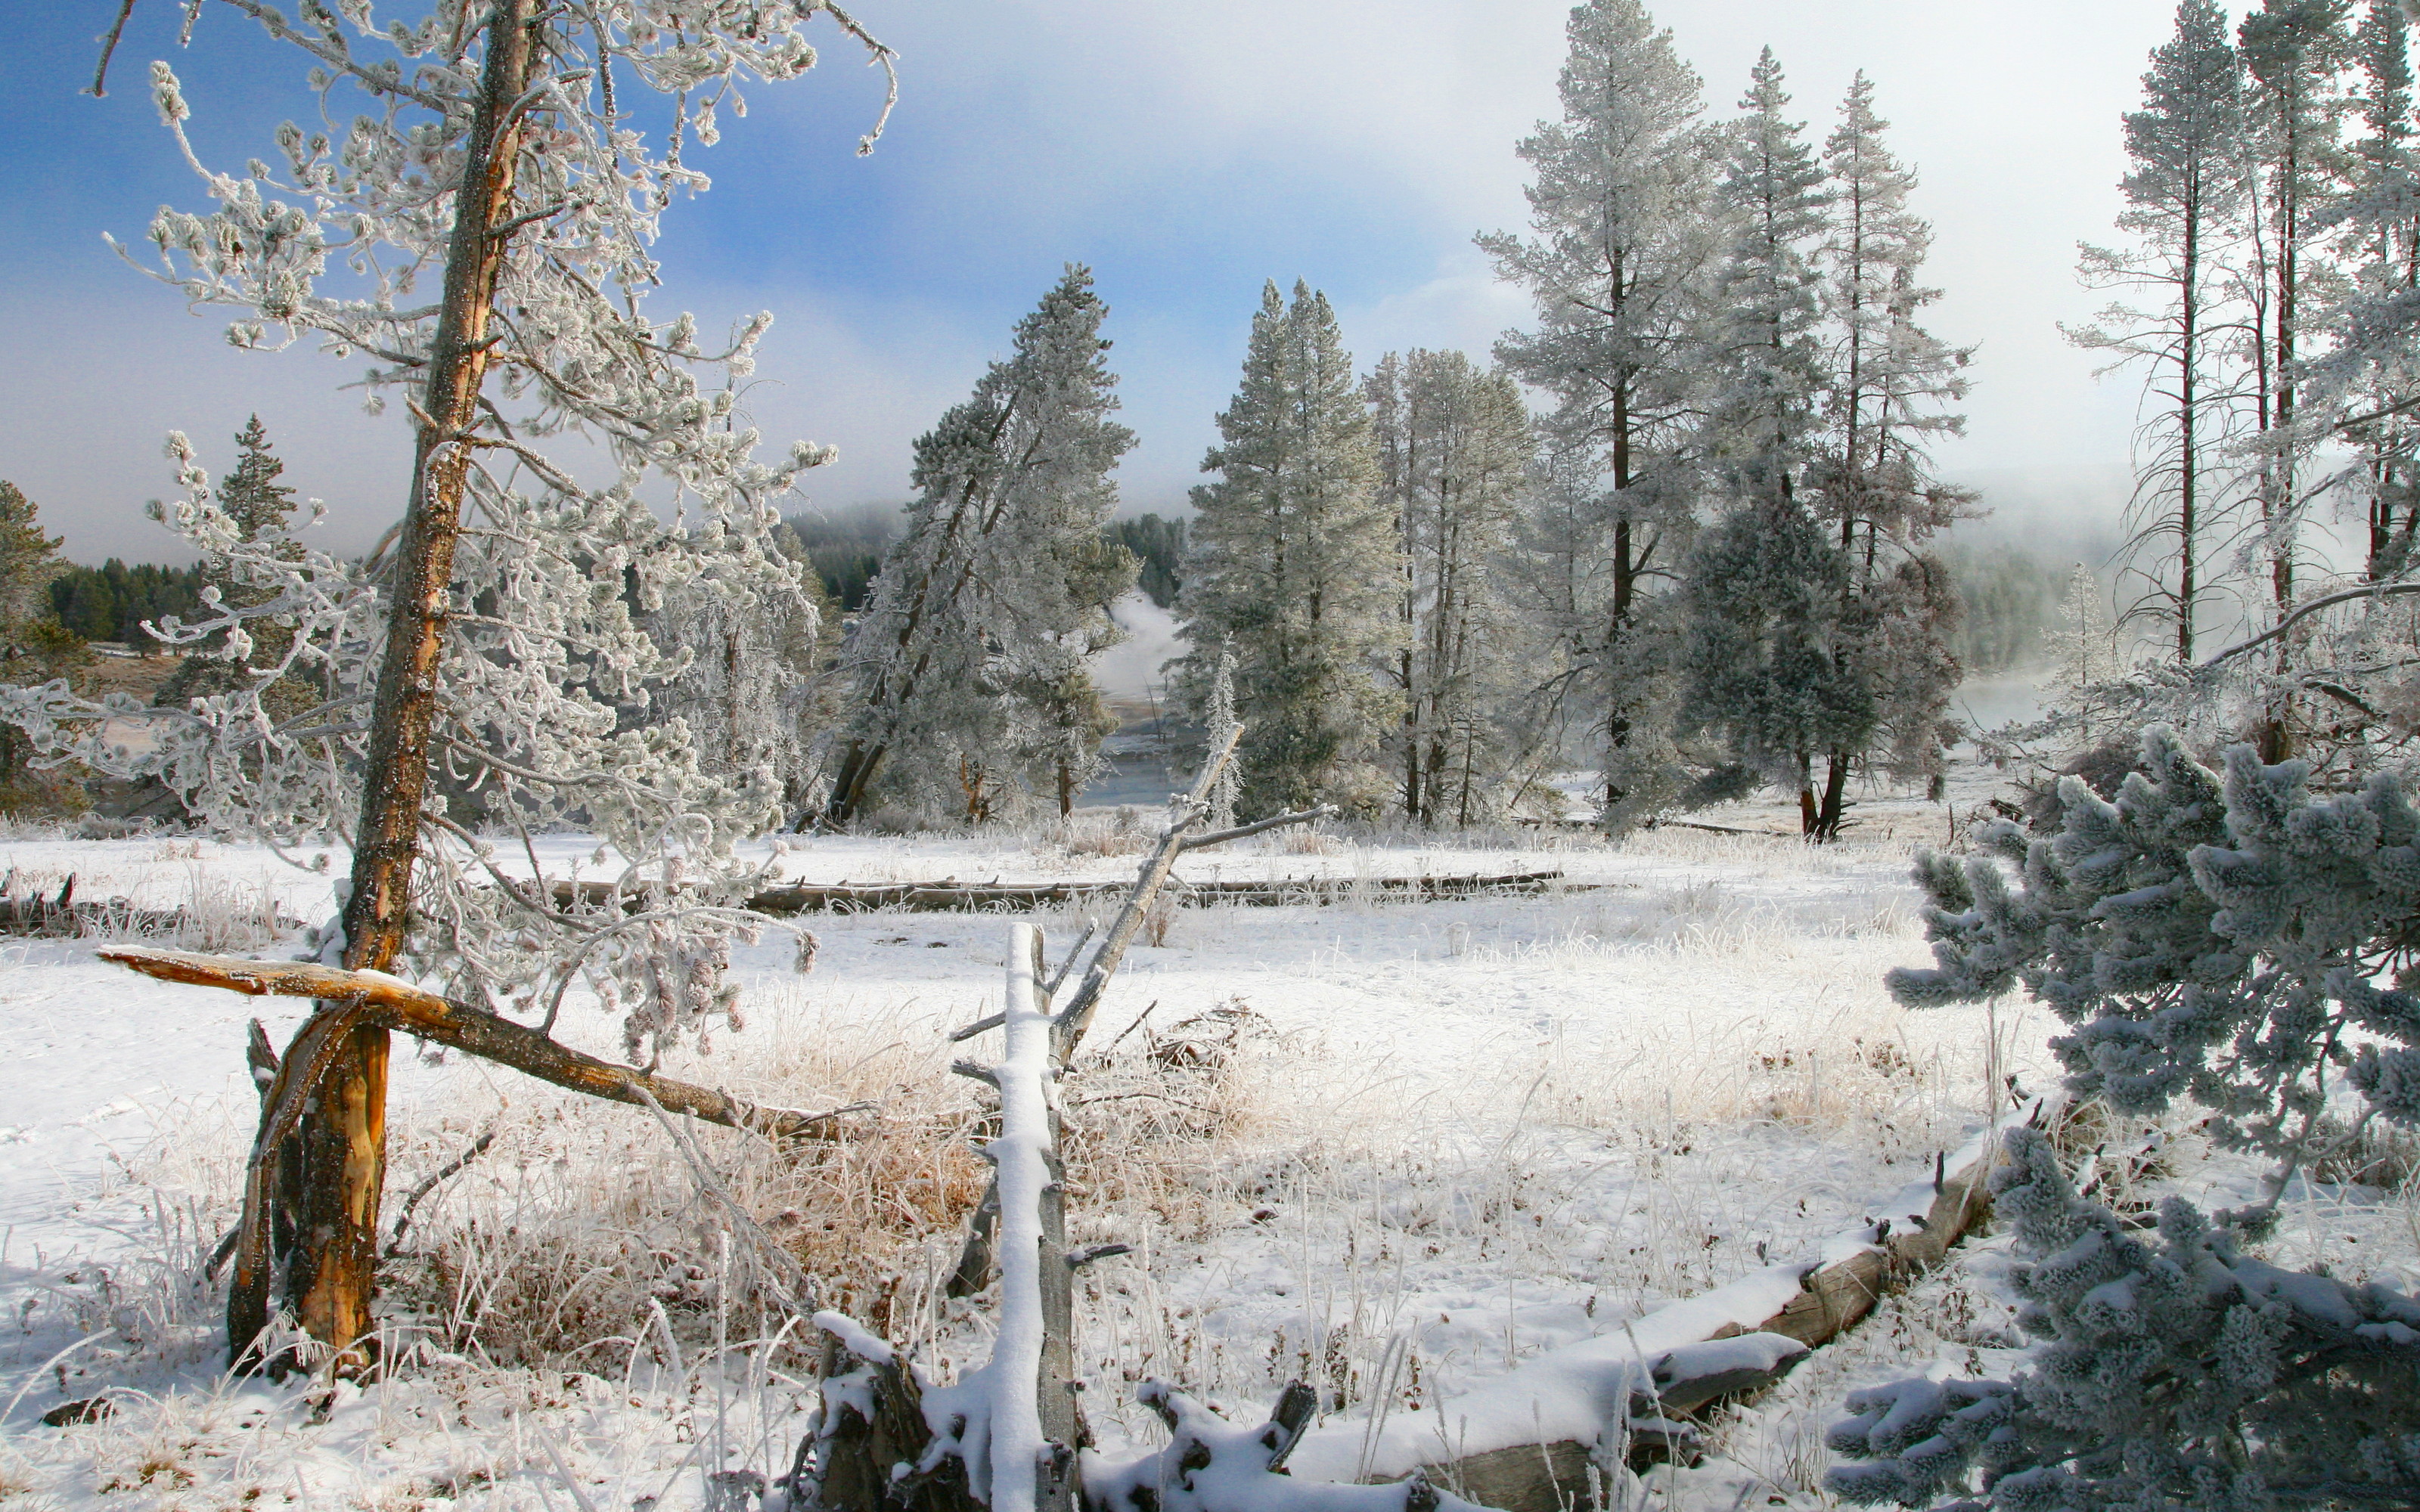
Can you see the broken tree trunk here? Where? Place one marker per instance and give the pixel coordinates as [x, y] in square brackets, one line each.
[388, 1003]
[1191, 812]
[1067, 1027]
[1014, 1434]
[329, 1095]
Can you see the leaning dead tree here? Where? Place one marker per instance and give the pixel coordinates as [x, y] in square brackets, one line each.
[480, 671]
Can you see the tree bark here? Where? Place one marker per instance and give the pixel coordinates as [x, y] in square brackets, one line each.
[341, 1132]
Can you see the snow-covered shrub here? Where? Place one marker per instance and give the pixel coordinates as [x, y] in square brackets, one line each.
[2221, 940]
[2176, 1372]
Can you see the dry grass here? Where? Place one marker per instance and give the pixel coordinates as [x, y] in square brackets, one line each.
[580, 1227]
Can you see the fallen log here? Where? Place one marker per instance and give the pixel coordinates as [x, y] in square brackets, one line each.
[1527, 1440]
[392, 1003]
[1013, 897]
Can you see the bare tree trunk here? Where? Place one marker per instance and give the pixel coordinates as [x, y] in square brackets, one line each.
[341, 1133]
[1835, 777]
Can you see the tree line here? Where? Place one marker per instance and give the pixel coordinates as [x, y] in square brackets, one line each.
[2261, 288]
[1706, 560]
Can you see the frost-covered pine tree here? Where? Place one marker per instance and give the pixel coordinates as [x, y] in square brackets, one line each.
[970, 656]
[2380, 226]
[481, 235]
[2173, 1371]
[1766, 643]
[1293, 566]
[1220, 727]
[1889, 386]
[2081, 653]
[1454, 462]
[2294, 52]
[2222, 939]
[2184, 206]
[1623, 241]
[257, 504]
[33, 646]
[2244, 942]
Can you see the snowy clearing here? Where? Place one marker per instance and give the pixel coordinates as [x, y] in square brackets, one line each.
[1392, 1150]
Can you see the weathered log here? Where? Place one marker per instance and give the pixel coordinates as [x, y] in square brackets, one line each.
[391, 1003]
[47, 918]
[1836, 1297]
[1015, 897]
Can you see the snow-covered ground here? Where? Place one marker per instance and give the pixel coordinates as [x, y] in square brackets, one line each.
[1390, 1148]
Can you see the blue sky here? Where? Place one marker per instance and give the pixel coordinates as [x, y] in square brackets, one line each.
[1186, 153]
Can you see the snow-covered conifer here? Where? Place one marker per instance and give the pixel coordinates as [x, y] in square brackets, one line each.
[1765, 646]
[1889, 383]
[2294, 52]
[2184, 206]
[33, 646]
[971, 656]
[1767, 360]
[1293, 566]
[1624, 238]
[257, 504]
[2217, 938]
[1454, 467]
[2173, 1371]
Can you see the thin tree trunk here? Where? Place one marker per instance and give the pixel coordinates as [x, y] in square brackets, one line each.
[1836, 779]
[341, 1137]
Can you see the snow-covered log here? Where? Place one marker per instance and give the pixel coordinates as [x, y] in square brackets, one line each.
[956, 896]
[1212, 1466]
[1526, 1442]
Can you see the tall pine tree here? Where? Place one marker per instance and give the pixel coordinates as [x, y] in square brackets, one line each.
[1622, 243]
[1889, 383]
[2184, 207]
[1765, 643]
[1454, 463]
[971, 655]
[1293, 567]
[2292, 51]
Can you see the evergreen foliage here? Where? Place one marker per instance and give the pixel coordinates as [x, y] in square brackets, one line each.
[1158, 546]
[2185, 197]
[1764, 651]
[1888, 381]
[112, 601]
[969, 658]
[33, 646]
[2218, 938]
[2010, 598]
[258, 507]
[1624, 240]
[1292, 567]
[845, 547]
[2176, 1373]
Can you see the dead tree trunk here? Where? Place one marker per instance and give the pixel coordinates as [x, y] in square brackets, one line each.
[333, 1076]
